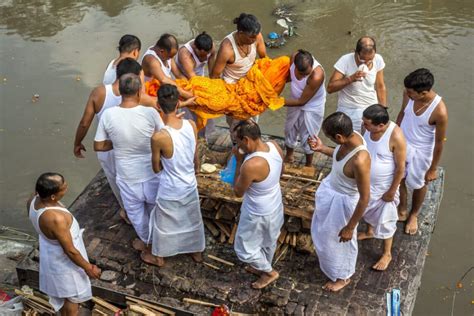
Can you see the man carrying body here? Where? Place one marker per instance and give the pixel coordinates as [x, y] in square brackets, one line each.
[177, 221]
[387, 148]
[158, 62]
[358, 77]
[257, 179]
[127, 130]
[64, 267]
[237, 53]
[305, 110]
[341, 200]
[424, 121]
[129, 47]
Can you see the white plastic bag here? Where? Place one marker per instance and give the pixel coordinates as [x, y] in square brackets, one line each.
[13, 307]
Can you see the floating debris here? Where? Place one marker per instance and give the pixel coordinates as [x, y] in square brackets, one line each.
[278, 40]
[35, 98]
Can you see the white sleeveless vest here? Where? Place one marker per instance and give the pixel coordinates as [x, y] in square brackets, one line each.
[233, 72]
[199, 65]
[316, 103]
[166, 69]
[110, 74]
[110, 100]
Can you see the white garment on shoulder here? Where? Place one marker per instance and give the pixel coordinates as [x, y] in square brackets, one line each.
[178, 176]
[166, 68]
[198, 65]
[262, 198]
[130, 130]
[110, 100]
[359, 94]
[110, 74]
[241, 65]
[317, 101]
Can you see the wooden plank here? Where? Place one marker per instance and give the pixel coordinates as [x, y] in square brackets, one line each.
[298, 213]
[220, 260]
[143, 310]
[193, 301]
[152, 306]
[232, 234]
[223, 228]
[211, 227]
[282, 236]
[105, 304]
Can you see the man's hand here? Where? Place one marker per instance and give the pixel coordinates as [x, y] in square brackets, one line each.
[77, 150]
[93, 272]
[388, 196]
[189, 102]
[315, 143]
[238, 154]
[346, 234]
[357, 76]
[431, 175]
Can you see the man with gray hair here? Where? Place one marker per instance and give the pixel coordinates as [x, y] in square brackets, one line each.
[127, 129]
[358, 77]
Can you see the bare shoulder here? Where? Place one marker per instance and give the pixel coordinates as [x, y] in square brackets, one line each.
[441, 110]
[397, 136]
[254, 165]
[55, 218]
[160, 138]
[362, 158]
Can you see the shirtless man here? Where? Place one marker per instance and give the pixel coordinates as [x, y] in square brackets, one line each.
[257, 179]
[387, 148]
[305, 111]
[129, 47]
[340, 200]
[64, 266]
[424, 121]
[358, 78]
[158, 63]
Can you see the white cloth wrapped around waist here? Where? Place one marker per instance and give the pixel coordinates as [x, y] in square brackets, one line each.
[300, 124]
[417, 164]
[382, 216]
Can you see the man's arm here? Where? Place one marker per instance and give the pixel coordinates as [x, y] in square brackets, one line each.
[212, 59]
[84, 124]
[156, 146]
[380, 88]
[223, 55]
[401, 114]
[157, 73]
[175, 70]
[313, 84]
[362, 176]
[187, 62]
[317, 145]
[339, 81]
[104, 145]
[399, 145]
[441, 122]
[101, 140]
[261, 49]
[251, 170]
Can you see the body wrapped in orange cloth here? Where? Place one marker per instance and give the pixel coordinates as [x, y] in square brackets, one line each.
[250, 96]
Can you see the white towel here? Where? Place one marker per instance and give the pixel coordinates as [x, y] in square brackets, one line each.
[300, 124]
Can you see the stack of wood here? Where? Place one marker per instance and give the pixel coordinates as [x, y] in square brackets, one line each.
[103, 308]
[35, 304]
[137, 307]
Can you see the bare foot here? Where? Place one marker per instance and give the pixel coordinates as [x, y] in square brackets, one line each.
[336, 286]
[412, 225]
[365, 235]
[383, 262]
[289, 159]
[197, 256]
[252, 270]
[148, 258]
[402, 215]
[139, 245]
[124, 217]
[265, 279]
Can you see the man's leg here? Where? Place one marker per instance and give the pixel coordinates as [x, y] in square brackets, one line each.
[69, 308]
[417, 201]
[384, 261]
[289, 154]
[403, 207]
[268, 276]
[309, 160]
[368, 234]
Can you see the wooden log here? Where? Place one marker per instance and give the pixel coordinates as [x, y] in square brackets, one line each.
[152, 306]
[220, 260]
[222, 238]
[293, 177]
[293, 240]
[143, 310]
[105, 304]
[223, 228]
[287, 239]
[297, 212]
[293, 224]
[211, 227]
[282, 237]
[193, 301]
[211, 266]
[232, 234]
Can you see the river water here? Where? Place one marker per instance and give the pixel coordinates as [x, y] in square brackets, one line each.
[59, 49]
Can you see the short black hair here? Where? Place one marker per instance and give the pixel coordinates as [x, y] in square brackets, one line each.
[128, 43]
[377, 114]
[48, 184]
[303, 59]
[248, 128]
[128, 66]
[203, 42]
[129, 84]
[168, 97]
[338, 123]
[363, 47]
[247, 23]
[167, 42]
[419, 80]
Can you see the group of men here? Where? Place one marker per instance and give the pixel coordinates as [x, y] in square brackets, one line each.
[150, 160]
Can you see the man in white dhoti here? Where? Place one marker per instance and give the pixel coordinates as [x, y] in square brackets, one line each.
[305, 110]
[64, 270]
[358, 79]
[127, 129]
[257, 179]
[387, 148]
[424, 120]
[100, 99]
[176, 221]
[129, 47]
[341, 200]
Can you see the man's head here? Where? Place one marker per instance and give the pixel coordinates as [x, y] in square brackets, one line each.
[203, 44]
[375, 118]
[168, 45]
[247, 135]
[303, 62]
[168, 97]
[248, 28]
[130, 86]
[51, 185]
[128, 66]
[366, 49]
[418, 83]
[338, 127]
[130, 44]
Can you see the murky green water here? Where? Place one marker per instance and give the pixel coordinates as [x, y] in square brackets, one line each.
[59, 50]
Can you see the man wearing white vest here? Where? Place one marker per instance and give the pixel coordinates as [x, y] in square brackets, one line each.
[424, 121]
[358, 79]
[340, 201]
[305, 108]
[176, 220]
[129, 47]
[257, 179]
[64, 270]
[127, 129]
[387, 149]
